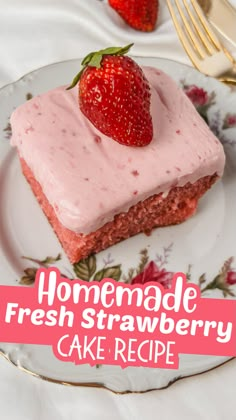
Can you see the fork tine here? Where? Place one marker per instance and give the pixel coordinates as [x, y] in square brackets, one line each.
[183, 38]
[190, 32]
[206, 25]
[210, 47]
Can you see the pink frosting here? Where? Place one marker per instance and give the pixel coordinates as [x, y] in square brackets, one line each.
[88, 178]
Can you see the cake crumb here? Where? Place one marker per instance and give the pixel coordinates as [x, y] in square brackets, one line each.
[27, 130]
[97, 139]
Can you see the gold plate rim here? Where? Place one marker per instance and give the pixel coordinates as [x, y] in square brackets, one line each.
[101, 385]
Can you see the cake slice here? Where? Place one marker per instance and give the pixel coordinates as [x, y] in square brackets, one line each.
[96, 192]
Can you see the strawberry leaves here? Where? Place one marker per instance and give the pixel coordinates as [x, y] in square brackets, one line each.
[94, 59]
[86, 270]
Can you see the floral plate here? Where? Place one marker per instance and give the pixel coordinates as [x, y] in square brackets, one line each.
[203, 247]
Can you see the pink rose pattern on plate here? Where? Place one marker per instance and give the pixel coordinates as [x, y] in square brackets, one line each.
[198, 96]
[203, 101]
[231, 278]
[229, 121]
[145, 272]
[153, 273]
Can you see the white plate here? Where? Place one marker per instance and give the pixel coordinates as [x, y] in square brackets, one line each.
[202, 244]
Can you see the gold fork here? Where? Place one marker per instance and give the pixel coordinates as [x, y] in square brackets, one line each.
[200, 42]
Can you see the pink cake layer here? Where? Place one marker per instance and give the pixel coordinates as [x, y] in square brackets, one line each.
[180, 204]
[90, 180]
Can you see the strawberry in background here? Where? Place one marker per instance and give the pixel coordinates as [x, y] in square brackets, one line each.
[139, 14]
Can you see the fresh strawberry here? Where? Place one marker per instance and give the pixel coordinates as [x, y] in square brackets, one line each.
[114, 95]
[140, 14]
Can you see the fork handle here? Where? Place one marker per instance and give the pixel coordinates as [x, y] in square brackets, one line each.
[229, 77]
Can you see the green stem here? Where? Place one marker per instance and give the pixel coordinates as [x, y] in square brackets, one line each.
[205, 288]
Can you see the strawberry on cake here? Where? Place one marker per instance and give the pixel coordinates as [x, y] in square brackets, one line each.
[125, 155]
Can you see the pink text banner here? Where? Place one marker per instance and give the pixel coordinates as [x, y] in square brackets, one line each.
[113, 323]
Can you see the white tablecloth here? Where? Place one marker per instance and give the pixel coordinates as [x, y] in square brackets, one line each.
[33, 34]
